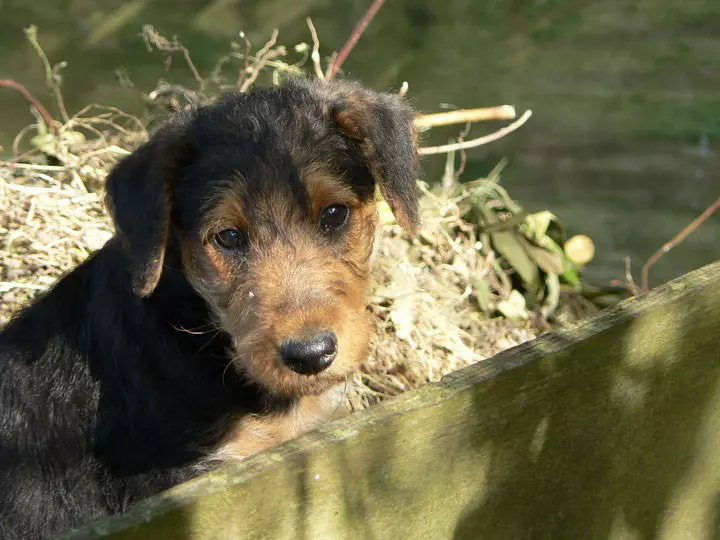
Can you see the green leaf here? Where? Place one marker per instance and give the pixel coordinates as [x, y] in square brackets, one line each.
[509, 245]
[482, 292]
[536, 225]
[551, 262]
[514, 307]
[47, 142]
[570, 272]
[44, 142]
[543, 227]
[552, 298]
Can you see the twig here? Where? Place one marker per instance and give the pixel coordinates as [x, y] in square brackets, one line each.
[246, 60]
[19, 137]
[629, 281]
[24, 155]
[675, 241]
[161, 43]
[118, 112]
[499, 134]
[51, 74]
[55, 86]
[263, 56]
[503, 112]
[331, 61]
[32, 166]
[463, 154]
[315, 56]
[353, 39]
[175, 89]
[7, 83]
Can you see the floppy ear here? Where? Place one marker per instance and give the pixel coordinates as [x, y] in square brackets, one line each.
[139, 202]
[382, 125]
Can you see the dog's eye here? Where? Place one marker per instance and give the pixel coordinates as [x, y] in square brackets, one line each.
[334, 217]
[231, 239]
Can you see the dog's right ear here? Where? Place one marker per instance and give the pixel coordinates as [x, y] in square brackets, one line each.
[382, 126]
[138, 198]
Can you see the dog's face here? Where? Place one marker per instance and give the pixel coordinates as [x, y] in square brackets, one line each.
[271, 199]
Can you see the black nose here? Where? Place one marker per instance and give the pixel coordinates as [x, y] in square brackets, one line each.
[311, 355]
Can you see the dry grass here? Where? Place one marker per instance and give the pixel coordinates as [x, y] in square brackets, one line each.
[437, 297]
[46, 228]
[427, 321]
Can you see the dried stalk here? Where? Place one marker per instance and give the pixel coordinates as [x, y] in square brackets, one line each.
[161, 43]
[502, 112]
[264, 55]
[315, 56]
[246, 61]
[47, 118]
[499, 134]
[353, 39]
[682, 235]
[51, 74]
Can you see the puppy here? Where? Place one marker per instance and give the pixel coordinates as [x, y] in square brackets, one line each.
[222, 317]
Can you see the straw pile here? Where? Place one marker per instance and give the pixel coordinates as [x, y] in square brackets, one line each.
[482, 275]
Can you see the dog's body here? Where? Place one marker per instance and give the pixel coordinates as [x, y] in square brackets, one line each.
[223, 316]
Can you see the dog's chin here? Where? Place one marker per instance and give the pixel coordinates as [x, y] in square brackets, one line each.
[280, 380]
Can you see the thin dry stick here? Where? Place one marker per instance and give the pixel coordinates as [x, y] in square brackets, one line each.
[51, 74]
[315, 56]
[675, 241]
[354, 36]
[472, 143]
[263, 56]
[7, 83]
[463, 154]
[331, 61]
[32, 166]
[629, 281]
[162, 44]
[118, 112]
[55, 86]
[246, 61]
[503, 112]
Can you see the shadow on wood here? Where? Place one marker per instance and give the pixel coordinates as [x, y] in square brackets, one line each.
[608, 430]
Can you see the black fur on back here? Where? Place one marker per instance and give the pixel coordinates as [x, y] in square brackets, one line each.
[114, 384]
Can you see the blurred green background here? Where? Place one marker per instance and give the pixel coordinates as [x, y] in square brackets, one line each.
[623, 144]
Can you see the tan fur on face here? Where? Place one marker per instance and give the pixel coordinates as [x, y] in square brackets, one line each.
[291, 286]
[229, 213]
[301, 288]
[325, 189]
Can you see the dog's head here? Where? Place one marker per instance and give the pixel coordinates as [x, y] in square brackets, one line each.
[271, 197]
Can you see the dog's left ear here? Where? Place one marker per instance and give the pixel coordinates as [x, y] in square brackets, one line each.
[382, 125]
[138, 198]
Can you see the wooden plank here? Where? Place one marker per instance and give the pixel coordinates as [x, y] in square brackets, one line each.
[608, 430]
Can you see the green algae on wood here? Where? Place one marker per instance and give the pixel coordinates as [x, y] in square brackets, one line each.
[607, 430]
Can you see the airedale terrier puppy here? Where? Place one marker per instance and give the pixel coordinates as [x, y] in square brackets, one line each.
[224, 314]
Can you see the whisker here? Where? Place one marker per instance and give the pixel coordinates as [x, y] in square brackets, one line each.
[231, 362]
[218, 331]
[341, 400]
[196, 331]
[222, 379]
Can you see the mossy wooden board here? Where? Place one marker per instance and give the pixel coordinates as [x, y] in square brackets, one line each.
[610, 430]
